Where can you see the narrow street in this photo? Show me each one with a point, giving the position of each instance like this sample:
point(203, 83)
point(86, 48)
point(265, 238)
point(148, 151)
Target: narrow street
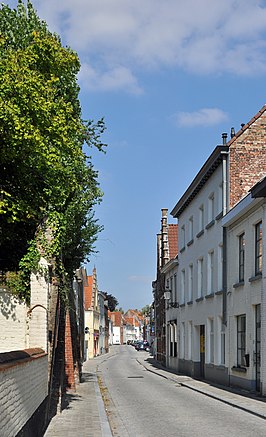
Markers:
point(142, 403)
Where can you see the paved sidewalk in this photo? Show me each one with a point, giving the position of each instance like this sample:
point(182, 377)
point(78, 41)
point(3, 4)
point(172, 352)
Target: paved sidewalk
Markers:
point(85, 414)
point(237, 398)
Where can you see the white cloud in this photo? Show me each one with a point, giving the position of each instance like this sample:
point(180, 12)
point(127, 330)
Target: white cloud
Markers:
point(202, 117)
point(113, 79)
point(125, 36)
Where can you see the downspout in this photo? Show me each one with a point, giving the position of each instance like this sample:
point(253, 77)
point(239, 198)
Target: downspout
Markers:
point(225, 179)
point(224, 276)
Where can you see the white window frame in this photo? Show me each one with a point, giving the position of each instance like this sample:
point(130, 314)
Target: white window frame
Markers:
point(211, 340)
point(200, 277)
point(211, 209)
point(201, 217)
point(190, 228)
point(190, 282)
point(183, 286)
point(220, 267)
point(210, 272)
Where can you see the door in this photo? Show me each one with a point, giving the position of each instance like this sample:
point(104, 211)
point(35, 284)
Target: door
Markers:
point(202, 351)
point(257, 346)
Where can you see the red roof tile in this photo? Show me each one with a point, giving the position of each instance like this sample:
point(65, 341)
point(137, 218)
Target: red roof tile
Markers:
point(173, 240)
point(88, 293)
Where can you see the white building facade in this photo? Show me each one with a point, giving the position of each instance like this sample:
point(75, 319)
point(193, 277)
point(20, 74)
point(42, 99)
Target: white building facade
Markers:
point(201, 330)
point(245, 228)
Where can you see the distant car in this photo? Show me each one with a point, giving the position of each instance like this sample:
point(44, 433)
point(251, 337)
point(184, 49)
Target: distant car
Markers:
point(142, 346)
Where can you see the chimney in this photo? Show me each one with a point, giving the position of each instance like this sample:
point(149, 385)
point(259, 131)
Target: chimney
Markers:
point(164, 237)
point(224, 137)
point(232, 132)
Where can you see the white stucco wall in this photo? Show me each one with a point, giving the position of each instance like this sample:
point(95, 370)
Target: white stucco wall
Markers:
point(23, 387)
point(210, 240)
point(13, 326)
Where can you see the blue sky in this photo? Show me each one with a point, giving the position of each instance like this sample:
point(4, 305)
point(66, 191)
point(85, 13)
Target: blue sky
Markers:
point(169, 77)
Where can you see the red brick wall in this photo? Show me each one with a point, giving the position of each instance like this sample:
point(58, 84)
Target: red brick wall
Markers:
point(247, 159)
point(69, 363)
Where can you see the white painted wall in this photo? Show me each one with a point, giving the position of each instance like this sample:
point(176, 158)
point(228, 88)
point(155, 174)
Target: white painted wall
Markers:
point(199, 248)
point(243, 299)
point(116, 335)
point(13, 326)
point(23, 387)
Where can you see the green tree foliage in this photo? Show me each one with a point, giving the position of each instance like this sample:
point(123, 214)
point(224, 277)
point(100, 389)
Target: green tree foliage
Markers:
point(47, 183)
point(145, 311)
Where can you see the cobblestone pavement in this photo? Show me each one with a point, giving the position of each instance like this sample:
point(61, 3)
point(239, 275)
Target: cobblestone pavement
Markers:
point(85, 415)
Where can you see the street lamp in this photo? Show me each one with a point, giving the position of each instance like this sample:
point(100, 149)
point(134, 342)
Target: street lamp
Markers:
point(167, 297)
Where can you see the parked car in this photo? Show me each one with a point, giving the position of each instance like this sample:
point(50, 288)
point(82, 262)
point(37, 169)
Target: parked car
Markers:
point(142, 346)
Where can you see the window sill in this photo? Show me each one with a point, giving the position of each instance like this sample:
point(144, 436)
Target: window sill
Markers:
point(182, 305)
point(219, 216)
point(239, 284)
point(239, 369)
point(182, 249)
point(219, 292)
point(190, 242)
point(199, 299)
point(190, 302)
point(209, 225)
point(256, 277)
point(208, 296)
point(200, 233)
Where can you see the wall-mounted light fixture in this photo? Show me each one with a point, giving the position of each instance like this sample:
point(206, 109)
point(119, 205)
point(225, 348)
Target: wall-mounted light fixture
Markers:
point(167, 297)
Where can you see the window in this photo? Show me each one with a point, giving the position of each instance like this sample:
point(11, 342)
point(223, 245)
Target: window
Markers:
point(241, 340)
point(183, 236)
point(220, 267)
point(210, 272)
point(175, 340)
point(190, 222)
point(189, 334)
point(200, 277)
point(201, 218)
point(221, 341)
point(258, 249)
point(222, 334)
point(171, 349)
point(220, 199)
point(175, 289)
point(183, 279)
point(241, 257)
point(182, 340)
point(211, 208)
point(211, 341)
point(190, 283)
point(171, 289)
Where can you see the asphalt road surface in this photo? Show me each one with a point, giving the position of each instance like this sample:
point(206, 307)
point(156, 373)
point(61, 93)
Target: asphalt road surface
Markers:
point(142, 404)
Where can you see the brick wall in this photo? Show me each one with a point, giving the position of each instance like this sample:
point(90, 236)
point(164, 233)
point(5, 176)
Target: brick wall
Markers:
point(69, 361)
point(13, 327)
point(247, 158)
point(23, 388)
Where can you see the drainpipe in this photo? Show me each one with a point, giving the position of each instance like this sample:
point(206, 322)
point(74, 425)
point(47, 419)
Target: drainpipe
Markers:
point(225, 179)
point(224, 276)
